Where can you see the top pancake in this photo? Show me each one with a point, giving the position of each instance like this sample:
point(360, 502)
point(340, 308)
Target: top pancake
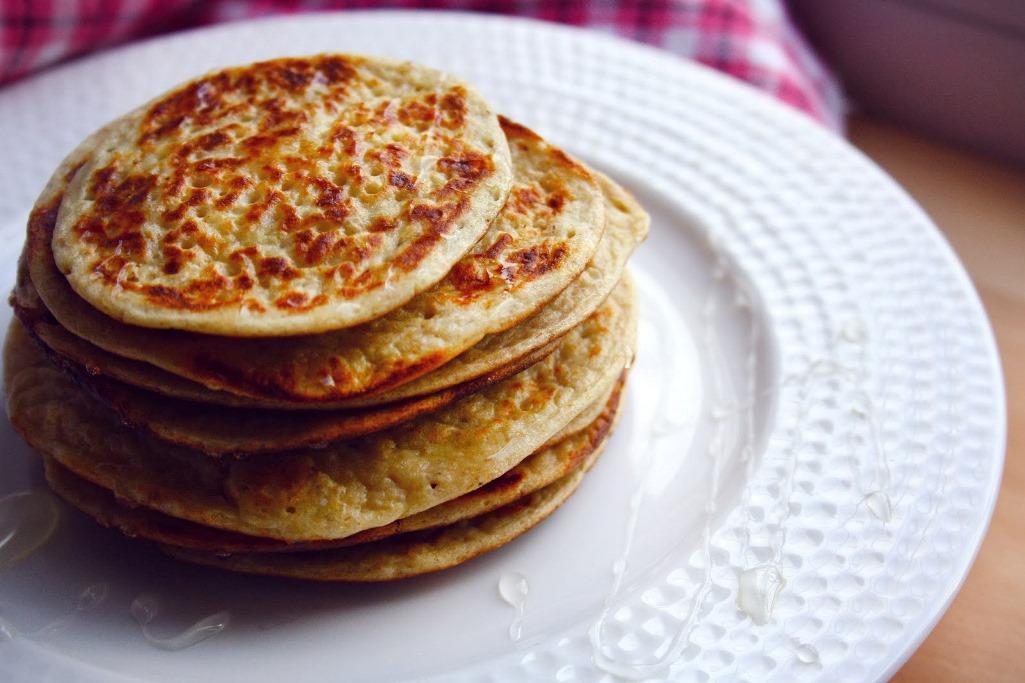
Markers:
point(286, 197)
point(626, 226)
point(542, 239)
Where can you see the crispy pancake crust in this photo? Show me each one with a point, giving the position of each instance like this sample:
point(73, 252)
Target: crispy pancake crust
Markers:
point(286, 197)
point(225, 431)
point(541, 241)
point(340, 490)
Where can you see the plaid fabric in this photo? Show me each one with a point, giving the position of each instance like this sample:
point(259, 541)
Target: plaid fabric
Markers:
point(753, 40)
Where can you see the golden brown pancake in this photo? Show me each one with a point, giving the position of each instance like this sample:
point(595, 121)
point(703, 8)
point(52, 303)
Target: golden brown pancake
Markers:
point(346, 487)
point(220, 430)
point(286, 197)
point(537, 471)
point(543, 238)
point(398, 557)
point(627, 226)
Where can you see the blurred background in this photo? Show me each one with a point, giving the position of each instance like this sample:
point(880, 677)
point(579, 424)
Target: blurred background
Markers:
point(932, 90)
point(954, 69)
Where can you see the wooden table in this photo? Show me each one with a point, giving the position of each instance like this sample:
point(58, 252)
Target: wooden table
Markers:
point(979, 205)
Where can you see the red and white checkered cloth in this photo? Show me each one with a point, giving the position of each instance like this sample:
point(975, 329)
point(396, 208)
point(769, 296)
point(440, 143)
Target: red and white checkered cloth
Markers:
point(753, 40)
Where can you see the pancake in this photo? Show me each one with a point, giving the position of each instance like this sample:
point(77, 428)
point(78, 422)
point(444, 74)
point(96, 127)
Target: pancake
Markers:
point(542, 468)
point(544, 237)
point(347, 487)
point(627, 224)
point(399, 557)
point(402, 557)
point(286, 197)
point(221, 430)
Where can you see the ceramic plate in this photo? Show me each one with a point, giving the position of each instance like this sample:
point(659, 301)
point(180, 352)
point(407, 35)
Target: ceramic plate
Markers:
point(810, 449)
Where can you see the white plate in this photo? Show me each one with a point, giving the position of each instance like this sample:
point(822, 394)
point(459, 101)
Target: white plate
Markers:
point(817, 394)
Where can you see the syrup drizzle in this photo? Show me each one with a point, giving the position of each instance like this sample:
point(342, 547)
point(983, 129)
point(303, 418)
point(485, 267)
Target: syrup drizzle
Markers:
point(146, 607)
point(759, 585)
point(724, 405)
point(91, 597)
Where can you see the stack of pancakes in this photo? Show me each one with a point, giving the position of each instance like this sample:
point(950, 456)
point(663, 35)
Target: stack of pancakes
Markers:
point(325, 317)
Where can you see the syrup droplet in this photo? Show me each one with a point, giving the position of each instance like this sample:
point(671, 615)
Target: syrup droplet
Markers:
point(27, 520)
point(806, 654)
point(878, 503)
point(759, 587)
point(513, 588)
point(197, 633)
